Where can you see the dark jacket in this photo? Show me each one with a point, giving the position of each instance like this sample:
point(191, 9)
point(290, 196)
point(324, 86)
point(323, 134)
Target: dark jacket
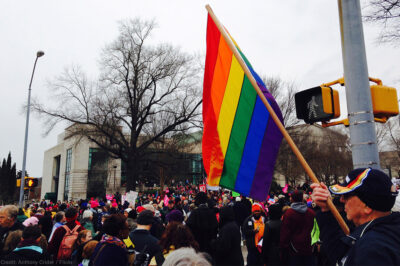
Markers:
point(297, 224)
point(226, 248)
point(46, 224)
point(146, 243)
point(157, 228)
point(27, 253)
point(241, 212)
point(5, 231)
point(204, 226)
point(270, 249)
point(108, 254)
point(373, 243)
point(249, 233)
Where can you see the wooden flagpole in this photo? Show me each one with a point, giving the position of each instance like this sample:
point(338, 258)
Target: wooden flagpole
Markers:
point(271, 111)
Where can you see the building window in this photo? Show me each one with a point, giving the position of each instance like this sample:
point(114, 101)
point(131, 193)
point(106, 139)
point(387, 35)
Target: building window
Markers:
point(67, 173)
point(97, 172)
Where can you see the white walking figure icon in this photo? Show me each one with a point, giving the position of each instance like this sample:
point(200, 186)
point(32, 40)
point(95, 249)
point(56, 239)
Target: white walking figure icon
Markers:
point(312, 108)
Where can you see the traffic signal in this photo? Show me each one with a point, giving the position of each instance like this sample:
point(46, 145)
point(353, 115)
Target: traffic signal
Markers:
point(318, 104)
point(384, 101)
point(31, 182)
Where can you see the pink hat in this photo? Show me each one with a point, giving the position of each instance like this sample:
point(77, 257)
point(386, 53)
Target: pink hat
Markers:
point(31, 221)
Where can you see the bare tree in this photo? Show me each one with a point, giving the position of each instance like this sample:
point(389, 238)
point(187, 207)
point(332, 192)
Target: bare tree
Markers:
point(393, 131)
point(145, 93)
point(386, 13)
point(327, 152)
point(283, 92)
point(382, 135)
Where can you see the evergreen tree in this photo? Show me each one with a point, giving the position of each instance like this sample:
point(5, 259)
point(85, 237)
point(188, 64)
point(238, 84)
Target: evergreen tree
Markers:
point(8, 176)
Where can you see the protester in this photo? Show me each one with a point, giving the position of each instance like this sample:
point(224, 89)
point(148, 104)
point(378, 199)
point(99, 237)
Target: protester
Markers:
point(12, 241)
point(8, 223)
point(46, 224)
point(253, 230)
point(59, 221)
point(33, 220)
point(86, 222)
point(144, 242)
point(77, 248)
point(226, 248)
point(111, 250)
point(87, 252)
point(368, 195)
point(70, 230)
point(241, 213)
point(295, 237)
point(270, 247)
point(203, 223)
point(43, 243)
point(175, 216)
point(157, 227)
point(176, 236)
point(28, 251)
point(21, 217)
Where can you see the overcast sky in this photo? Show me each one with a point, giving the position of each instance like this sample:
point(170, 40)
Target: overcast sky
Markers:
point(297, 40)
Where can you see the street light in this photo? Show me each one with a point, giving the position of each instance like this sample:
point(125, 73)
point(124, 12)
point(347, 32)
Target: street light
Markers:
point(21, 191)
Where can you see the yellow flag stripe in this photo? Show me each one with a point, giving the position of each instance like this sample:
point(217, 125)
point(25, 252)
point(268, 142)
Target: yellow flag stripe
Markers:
point(230, 103)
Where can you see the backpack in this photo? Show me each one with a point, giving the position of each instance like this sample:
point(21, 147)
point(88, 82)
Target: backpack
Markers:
point(141, 258)
point(65, 250)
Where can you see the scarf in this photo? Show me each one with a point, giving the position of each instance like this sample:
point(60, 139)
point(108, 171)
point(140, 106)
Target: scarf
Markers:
point(112, 240)
point(259, 224)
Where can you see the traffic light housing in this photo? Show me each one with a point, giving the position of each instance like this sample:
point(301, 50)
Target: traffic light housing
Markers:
point(31, 182)
point(384, 101)
point(318, 104)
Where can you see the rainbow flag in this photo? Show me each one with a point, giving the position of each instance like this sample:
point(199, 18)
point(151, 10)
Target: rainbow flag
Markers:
point(240, 140)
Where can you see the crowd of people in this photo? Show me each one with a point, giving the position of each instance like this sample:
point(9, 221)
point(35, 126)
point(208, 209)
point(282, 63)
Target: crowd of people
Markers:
point(184, 226)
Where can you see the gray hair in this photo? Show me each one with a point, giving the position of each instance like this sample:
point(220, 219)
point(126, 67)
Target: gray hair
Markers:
point(186, 257)
point(11, 210)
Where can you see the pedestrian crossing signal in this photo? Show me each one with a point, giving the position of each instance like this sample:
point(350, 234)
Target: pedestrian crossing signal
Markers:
point(318, 104)
point(31, 182)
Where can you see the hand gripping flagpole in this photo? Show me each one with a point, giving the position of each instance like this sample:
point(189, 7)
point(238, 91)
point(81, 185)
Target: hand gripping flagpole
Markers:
point(285, 134)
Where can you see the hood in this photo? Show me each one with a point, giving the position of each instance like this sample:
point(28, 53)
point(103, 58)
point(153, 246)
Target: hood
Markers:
point(226, 215)
point(299, 207)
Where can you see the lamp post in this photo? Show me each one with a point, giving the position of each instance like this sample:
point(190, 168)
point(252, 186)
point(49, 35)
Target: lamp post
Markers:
point(21, 191)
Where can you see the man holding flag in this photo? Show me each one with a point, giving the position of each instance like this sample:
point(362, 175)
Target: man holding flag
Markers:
point(368, 195)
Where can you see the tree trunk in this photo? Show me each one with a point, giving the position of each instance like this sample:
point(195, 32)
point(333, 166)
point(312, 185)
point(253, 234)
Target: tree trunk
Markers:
point(132, 173)
point(162, 179)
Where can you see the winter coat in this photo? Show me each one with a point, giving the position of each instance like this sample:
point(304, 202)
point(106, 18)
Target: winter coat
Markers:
point(297, 224)
point(376, 242)
point(157, 228)
point(241, 212)
point(21, 218)
point(5, 231)
point(270, 249)
point(108, 254)
point(27, 253)
point(46, 224)
point(89, 226)
point(226, 249)
point(249, 234)
point(204, 226)
point(146, 243)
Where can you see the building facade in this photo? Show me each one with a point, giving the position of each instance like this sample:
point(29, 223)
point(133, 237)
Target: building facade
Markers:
point(78, 169)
